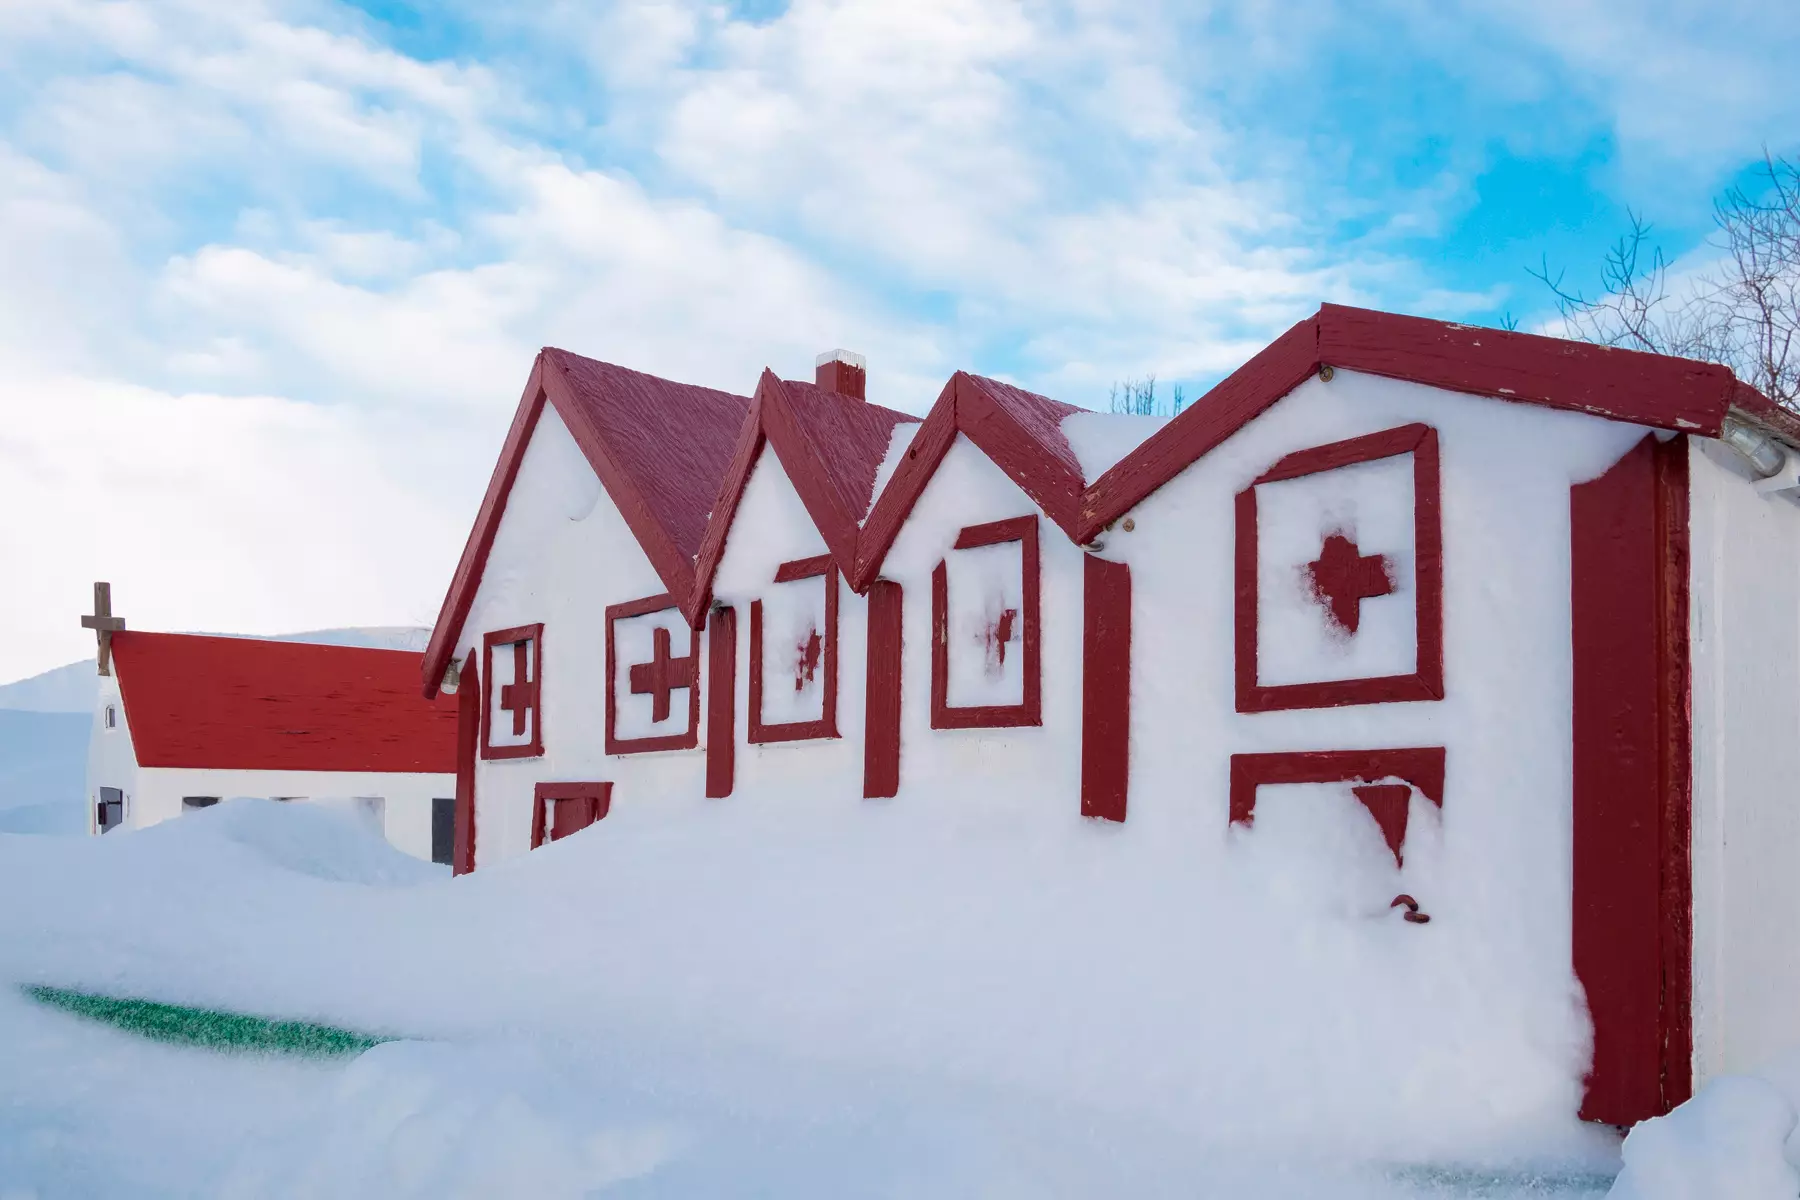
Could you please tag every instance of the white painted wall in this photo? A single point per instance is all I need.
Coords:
(112, 760)
(561, 554)
(1745, 640)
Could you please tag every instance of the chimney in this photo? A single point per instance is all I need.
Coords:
(842, 371)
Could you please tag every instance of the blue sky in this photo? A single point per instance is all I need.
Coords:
(271, 274)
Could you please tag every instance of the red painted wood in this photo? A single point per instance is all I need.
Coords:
(1231, 404)
(525, 700)
(751, 441)
(662, 675)
(1426, 682)
(576, 806)
(881, 719)
(660, 449)
(1029, 710)
(1764, 411)
(644, 745)
(826, 725)
(896, 501)
(469, 708)
(1343, 577)
(1632, 780)
(1421, 767)
(1105, 689)
(721, 710)
(845, 378)
(1022, 433)
(249, 704)
(1624, 385)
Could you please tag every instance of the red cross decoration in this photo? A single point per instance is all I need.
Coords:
(1343, 577)
(520, 696)
(998, 635)
(807, 666)
(661, 675)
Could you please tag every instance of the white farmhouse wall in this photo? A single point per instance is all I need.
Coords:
(406, 796)
(1745, 645)
(112, 760)
(561, 554)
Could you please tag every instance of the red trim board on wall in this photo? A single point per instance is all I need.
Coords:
(688, 670)
(523, 701)
(1029, 710)
(576, 806)
(818, 567)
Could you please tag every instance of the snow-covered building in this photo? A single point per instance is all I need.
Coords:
(184, 721)
(1521, 616)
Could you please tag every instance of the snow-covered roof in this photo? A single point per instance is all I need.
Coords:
(248, 704)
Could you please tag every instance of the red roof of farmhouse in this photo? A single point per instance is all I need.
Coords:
(674, 457)
(247, 704)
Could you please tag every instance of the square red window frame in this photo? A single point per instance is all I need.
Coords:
(506, 637)
(1029, 710)
(826, 725)
(1421, 766)
(1426, 681)
(669, 741)
(545, 794)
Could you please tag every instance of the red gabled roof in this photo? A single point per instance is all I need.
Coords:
(246, 704)
(660, 449)
(830, 445)
(669, 454)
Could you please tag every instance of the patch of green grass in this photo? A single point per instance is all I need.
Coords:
(212, 1029)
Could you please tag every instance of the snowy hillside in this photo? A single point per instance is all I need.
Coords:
(43, 756)
(870, 1005)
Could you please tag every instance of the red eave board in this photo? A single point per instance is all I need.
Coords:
(246, 704)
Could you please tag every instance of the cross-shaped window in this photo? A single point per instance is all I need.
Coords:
(512, 720)
(652, 691)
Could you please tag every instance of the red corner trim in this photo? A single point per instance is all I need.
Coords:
(1426, 682)
(506, 637)
(1633, 905)
(881, 719)
(896, 501)
(463, 584)
(644, 745)
(1029, 710)
(469, 710)
(826, 725)
(1105, 688)
(1422, 767)
(1765, 411)
(721, 702)
(593, 801)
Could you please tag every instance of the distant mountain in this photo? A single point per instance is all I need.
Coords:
(43, 767)
(71, 689)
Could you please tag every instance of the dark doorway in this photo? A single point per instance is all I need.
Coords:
(110, 813)
(443, 829)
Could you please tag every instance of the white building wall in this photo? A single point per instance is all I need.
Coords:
(405, 796)
(561, 555)
(112, 760)
(1745, 645)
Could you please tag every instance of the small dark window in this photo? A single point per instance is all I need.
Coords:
(198, 801)
(443, 830)
(110, 813)
(112, 717)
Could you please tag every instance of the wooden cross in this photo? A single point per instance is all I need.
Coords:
(520, 696)
(104, 624)
(661, 675)
(808, 665)
(1343, 577)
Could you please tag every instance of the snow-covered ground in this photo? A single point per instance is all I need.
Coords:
(866, 1006)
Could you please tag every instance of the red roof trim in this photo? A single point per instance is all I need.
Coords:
(246, 704)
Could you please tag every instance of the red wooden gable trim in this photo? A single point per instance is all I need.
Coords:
(721, 703)
(464, 583)
(1633, 904)
(896, 501)
(881, 711)
(533, 699)
(1426, 681)
(826, 725)
(751, 440)
(686, 740)
(1029, 710)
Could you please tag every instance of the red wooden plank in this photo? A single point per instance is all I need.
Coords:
(903, 489)
(826, 725)
(1624, 385)
(881, 720)
(1632, 899)
(534, 634)
(645, 745)
(721, 704)
(1422, 767)
(1241, 396)
(1022, 433)
(469, 708)
(1105, 689)
(559, 809)
(1029, 710)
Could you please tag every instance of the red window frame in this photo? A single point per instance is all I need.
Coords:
(1423, 767)
(1029, 710)
(1426, 682)
(506, 637)
(826, 725)
(596, 796)
(670, 741)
